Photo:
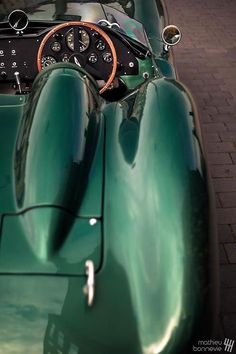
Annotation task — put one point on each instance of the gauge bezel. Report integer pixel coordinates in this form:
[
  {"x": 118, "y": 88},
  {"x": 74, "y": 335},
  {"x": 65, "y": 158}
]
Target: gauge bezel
[
  {"x": 94, "y": 55},
  {"x": 46, "y": 56},
  {"x": 11, "y": 25},
  {"x": 100, "y": 41},
  {"x": 105, "y": 61},
  {"x": 80, "y": 32},
  {"x": 55, "y": 51}
]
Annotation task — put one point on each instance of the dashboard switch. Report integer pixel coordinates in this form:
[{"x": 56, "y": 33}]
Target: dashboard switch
[
  {"x": 3, "y": 75},
  {"x": 17, "y": 76}
]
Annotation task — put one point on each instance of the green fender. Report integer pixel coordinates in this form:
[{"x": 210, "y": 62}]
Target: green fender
[{"x": 156, "y": 215}]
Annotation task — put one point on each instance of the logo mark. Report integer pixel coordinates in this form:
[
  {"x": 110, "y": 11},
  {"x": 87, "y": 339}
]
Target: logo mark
[{"x": 229, "y": 344}]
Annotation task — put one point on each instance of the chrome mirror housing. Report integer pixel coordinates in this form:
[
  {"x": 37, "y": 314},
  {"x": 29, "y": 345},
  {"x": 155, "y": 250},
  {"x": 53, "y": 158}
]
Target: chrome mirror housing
[{"x": 171, "y": 35}]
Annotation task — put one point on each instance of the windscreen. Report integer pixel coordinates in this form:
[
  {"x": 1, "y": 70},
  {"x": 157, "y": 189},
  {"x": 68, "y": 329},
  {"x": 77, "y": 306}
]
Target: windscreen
[
  {"x": 41, "y": 10},
  {"x": 78, "y": 10}
]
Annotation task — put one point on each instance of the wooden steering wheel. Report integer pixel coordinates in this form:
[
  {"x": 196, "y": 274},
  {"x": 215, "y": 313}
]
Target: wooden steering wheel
[{"x": 91, "y": 26}]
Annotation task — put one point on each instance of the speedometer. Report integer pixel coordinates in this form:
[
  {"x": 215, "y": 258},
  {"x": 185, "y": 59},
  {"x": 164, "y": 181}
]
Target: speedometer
[{"x": 81, "y": 42}]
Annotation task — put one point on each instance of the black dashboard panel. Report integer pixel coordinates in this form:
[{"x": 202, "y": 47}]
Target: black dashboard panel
[{"x": 18, "y": 54}]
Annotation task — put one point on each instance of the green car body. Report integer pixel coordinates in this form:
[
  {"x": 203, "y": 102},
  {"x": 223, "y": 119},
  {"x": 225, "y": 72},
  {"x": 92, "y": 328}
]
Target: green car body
[{"x": 122, "y": 183}]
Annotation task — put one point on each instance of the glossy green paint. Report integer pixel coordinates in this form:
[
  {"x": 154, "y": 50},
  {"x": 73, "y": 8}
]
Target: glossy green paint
[
  {"x": 49, "y": 241},
  {"x": 151, "y": 14},
  {"x": 165, "y": 68},
  {"x": 41, "y": 127},
  {"x": 143, "y": 179},
  {"x": 146, "y": 69},
  {"x": 51, "y": 133},
  {"x": 152, "y": 283},
  {"x": 11, "y": 111},
  {"x": 26, "y": 302},
  {"x": 53, "y": 173},
  {"x": 153, "y": 160}
]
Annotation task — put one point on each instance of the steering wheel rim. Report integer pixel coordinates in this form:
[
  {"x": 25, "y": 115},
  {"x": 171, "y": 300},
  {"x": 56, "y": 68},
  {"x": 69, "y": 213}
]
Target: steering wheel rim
[{"x": 88, "y": 25}]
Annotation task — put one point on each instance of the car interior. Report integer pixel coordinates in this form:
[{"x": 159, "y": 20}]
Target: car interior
[{"x": 118, "y": 62}]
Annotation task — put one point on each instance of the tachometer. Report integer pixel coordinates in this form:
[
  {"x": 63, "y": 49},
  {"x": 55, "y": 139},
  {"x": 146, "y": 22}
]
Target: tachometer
[{"x": 48, "y": 60}]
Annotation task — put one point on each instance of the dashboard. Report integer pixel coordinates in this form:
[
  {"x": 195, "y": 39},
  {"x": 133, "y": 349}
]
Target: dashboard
[{"x": 81, "y": 45}]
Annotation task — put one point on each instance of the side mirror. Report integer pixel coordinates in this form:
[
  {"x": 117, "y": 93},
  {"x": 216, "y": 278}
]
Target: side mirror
[{"x": 171, "y": 35}]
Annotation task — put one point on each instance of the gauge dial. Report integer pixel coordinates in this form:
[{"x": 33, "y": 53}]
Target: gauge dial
[
  {"x": 93, "y": 58},
  {"x": 65, "y": 58},
  {"x": 107, "y": 57},
  {"x": 70, "y": 39},
  {"x": 83, "y": 40},
  {"x": 48, "y": 60},
  {"x": 56, "y": 46},
  {"x": 18, "y": 20},
  {"x": 100, "y": 45}
]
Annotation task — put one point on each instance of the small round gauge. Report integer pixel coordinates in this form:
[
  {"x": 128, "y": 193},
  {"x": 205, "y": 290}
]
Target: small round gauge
[
  {"x": 48, "y": 60},
  {"x": 83, "y": 40},
  {"x": 56, "y": 46},
  {"x": 107, "y": 57},
  {"x": 70, "y": 39},
  {"x": 18, "y": 20},
  {"x": 92, "y": 58},
  {"x": 100, "y": 45},
  {"x": 65, "y": 58}
]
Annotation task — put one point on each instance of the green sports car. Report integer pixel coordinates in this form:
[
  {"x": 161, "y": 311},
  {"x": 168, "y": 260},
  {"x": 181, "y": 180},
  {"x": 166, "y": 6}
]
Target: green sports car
[{"x": 107, "y": 225}]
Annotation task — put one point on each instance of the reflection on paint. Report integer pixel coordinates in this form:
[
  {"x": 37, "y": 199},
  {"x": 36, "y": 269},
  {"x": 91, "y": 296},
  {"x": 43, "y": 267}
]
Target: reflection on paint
[
  {"x": 158, "y": 347},
  {"x": 24, "y": 308}
]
